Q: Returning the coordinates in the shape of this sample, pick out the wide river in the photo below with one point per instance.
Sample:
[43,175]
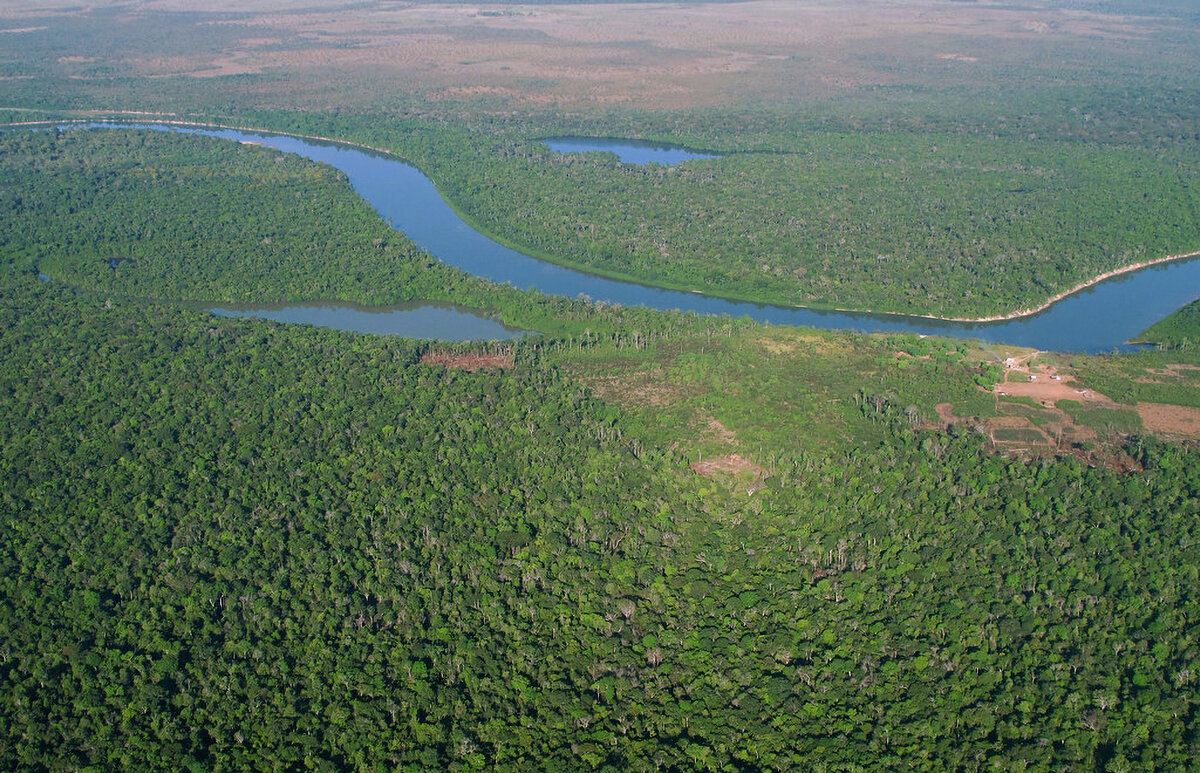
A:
[1099,319]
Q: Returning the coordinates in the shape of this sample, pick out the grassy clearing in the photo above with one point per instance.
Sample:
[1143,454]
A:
[1019,435]
[766,392]
[1171,377]
[1105,420]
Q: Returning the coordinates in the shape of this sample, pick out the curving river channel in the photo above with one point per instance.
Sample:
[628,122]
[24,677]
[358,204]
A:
[1100,318]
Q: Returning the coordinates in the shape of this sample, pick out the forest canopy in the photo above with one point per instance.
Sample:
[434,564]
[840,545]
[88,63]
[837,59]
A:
[232,544]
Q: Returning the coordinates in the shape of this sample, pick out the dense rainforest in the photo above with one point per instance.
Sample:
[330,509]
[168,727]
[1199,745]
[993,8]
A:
[228,544]
[167,216]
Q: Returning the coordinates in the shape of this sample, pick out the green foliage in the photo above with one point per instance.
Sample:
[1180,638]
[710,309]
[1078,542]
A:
[190,218]
[214,554]
[765,392]
[1171,376]
[918,223]
[1180,330]
[941,220]
[1107,421]
[226,544]
[902,173]
[207,525]
[149,214]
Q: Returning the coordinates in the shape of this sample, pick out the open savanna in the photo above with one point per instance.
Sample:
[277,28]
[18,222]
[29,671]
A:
[589,56]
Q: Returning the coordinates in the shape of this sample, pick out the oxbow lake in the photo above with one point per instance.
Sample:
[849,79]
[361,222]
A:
[1101,318]
[422,319]
[638,152]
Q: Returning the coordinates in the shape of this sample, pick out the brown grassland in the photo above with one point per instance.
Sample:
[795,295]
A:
[647,55]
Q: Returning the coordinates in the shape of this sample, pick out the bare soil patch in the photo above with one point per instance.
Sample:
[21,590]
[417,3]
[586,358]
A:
[469,362]
[1178,370]
[1022,430]
[229,65]
[731,464]
[641,387]
[1044,383]
[1043,429]
[715,431]
[1170,419]
[1177,373]
[1049,392]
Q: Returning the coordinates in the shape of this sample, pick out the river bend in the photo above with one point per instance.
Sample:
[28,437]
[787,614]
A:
[1100,318]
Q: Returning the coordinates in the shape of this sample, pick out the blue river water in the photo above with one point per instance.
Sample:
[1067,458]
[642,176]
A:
[1099,319]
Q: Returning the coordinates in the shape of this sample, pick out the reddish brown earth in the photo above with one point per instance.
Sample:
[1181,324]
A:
[731,464]
[1170,419]
[1045,388]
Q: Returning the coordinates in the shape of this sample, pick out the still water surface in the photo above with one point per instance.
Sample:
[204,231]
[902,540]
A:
[638,152]
[423,319]
[1101,318]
